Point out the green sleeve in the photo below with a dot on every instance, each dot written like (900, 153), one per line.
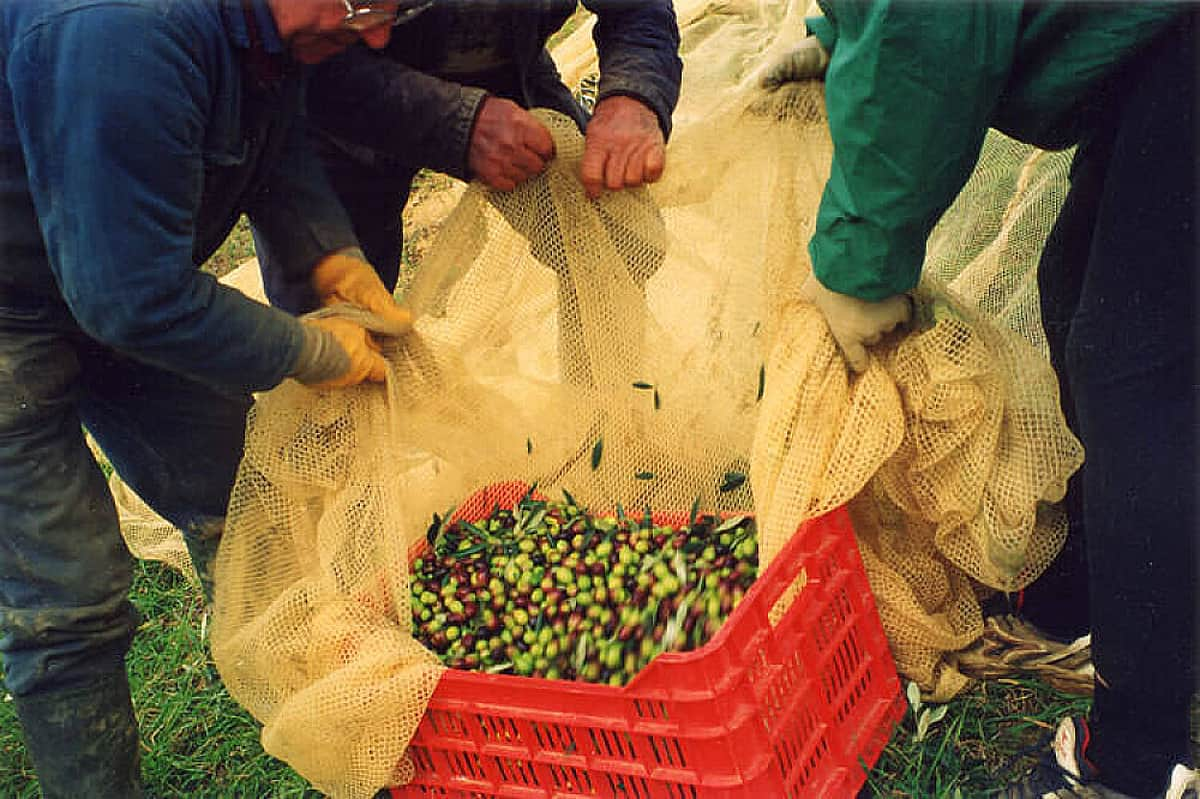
(910, 89)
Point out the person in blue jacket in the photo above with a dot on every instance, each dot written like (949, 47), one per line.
(452, 92)
(911, 90)
(133, 134)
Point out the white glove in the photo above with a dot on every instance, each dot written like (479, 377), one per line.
(805, 61)
(856, 323)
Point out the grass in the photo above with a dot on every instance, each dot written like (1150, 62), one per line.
(977, 747)
(238, 246)
(197, 742)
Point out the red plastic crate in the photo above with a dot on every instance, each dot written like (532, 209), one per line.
(759, 711)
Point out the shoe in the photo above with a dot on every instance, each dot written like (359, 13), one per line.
(1064, 772)
(1012, 647)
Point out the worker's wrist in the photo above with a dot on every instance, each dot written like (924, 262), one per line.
(351, 252)
(321, 357)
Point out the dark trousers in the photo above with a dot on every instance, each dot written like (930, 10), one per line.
(1118, 293)
(373, 190)
(65, 617)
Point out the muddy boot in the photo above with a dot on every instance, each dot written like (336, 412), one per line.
(202, 539)
(84, 740)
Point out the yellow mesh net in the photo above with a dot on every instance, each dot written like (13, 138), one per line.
(585, 344)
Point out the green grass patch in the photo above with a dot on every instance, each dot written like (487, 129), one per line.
(238, 246)
(197, 742)
(973, 749)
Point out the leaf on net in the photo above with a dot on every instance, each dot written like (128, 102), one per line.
(733, 480)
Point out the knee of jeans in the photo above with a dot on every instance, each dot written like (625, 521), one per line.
(47, 648)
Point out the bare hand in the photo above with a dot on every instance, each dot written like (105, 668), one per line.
(508, 145)
(624, 147)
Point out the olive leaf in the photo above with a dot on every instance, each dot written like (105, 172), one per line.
(432, 533)
(527, 497)
(471, 528)
(597, 451)
(913, 692)
(733, 480)
(649, 615)
(680, 566)
(731, 523)
(762, 382)
(581, 652)
(928, 718)
(670, 634)
(685, 607)
(528, 520)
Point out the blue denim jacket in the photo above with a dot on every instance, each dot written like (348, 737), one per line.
(133, 134)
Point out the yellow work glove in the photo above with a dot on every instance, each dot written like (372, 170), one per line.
(854, 323)
(806, 61)
(345, 276)
(338, 353)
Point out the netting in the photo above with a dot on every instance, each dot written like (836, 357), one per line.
(587, 344)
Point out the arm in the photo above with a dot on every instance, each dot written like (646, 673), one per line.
(640, 73)
(910, 91)
(301, 221)
(370, 99)
(116, 173)
(373, 100)
(638, 45)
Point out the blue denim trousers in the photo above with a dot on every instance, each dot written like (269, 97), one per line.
(65, 572)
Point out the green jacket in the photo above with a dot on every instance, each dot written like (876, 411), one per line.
(912, 88)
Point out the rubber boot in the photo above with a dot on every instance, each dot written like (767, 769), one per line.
(84, 740)
(202, 539)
